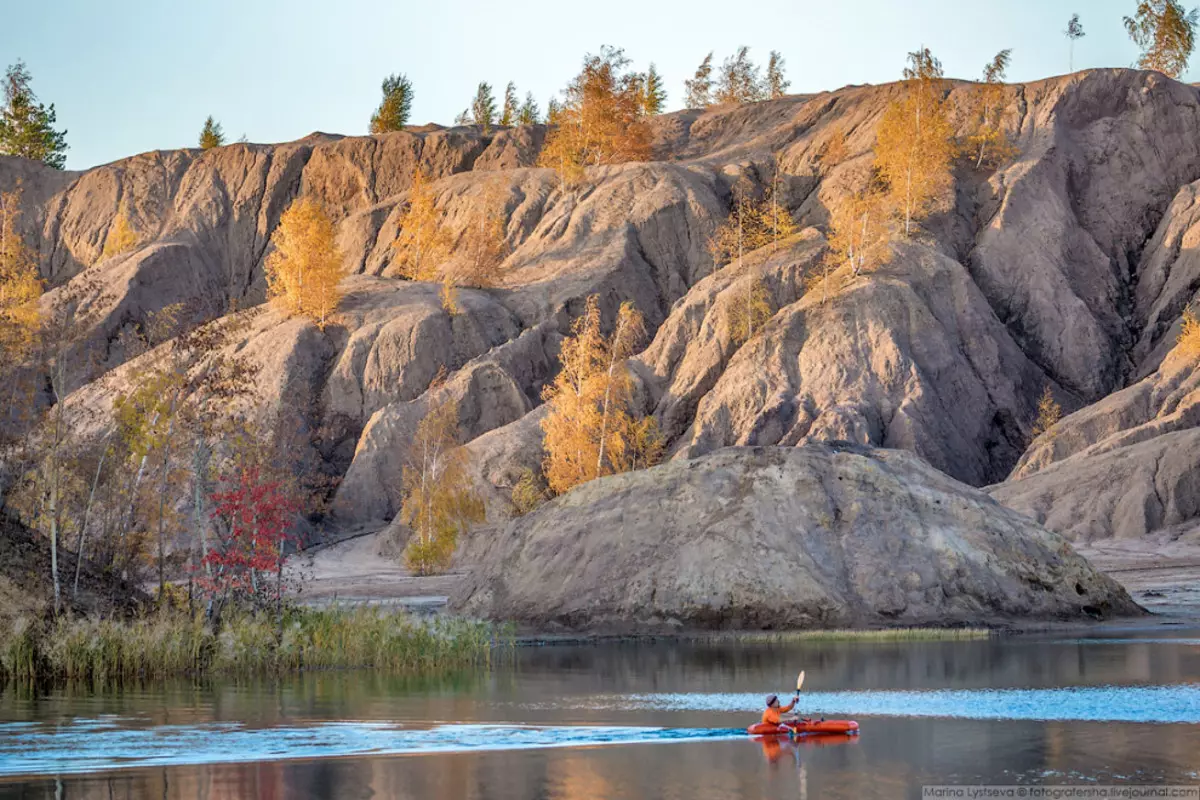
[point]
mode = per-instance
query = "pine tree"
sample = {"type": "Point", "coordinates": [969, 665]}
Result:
{"type": "Point", "coordinates": [601, 121]}
{"type": "Point", "coordinates": [396, 107]}
{"type": "Point", "coordinates": [776, 84]}
{"type": "Point", "coordinates": [483, 107]}
{"type": "Point", "coordinates": [698, 90]}
{"type": "Point", "coordinates": [529, 114]}
{"type": "Point", "coordinates": [27, 126]}
{"type": "Point", "coordinates": [553, 111]}
{"type": "Point", "coordinates": [423, 244]}
{"type": "Point", "coordinates": [1166, 33]}
{"type": "Point", "coordinates": [738, 81]}
{"type": "Point", "coordinates": [654, 93]}
{"type": "Point", "coordinates": [989, 141]}
{"type": "Point", "coordinates": [439, 502]}
{"type": "Point", "coordinates": [508, 115]}
{"type": "Point", "coordinates": [305, 268]}
{"type": "Point", "coordinates": [1074, 33]}
{"type": "Point", "coordinates": [915, 145]}
{"type": "Point", "coordinates": [211, 134]}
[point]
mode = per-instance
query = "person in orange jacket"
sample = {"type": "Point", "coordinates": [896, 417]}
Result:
{"type": "Point", "coordinates": [773, 715]}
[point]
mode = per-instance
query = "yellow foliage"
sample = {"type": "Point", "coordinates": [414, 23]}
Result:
{"type": "Point", "coordinates": [305, 268]}
{"type": "Point", "coordinates": [915, 146]}
{"type": "Point", "coordinates": [859, 234]}
{"type": "Point", "coordinates": [751, 224]}
{"type": "Point", "coordinates": [835, 150]}
{"type": "Point", "coordinates": [439, 502]}
{"type": "Point", "coordinates": [449, 295]}
{"type": "Point", "coordinates": [601, 121]}
{"type": "Point", "coordinates": [121, 237]}
{"type": "Point", "coordinates": [1189, 338]}
{"type": "Point", "coordinates": [590, 431]}
{"type": "Point", "coordinates": [988, 143]}
{"type": "Point", "coordinates": [528, 492]}
{"type": "Point", "coordinates": [423, 243]}
{"type": "Point", "coordinates": [483, 245]}
{"type": "Point", "coordinates": [1049, 413]}
{"type": "Point", "coordinates": [20, 284]}
{"type": "Point", "coordinates": [752, 307]}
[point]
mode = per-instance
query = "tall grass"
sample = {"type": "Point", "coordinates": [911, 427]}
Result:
{"type": "Point", "coordinates": [174, 644]}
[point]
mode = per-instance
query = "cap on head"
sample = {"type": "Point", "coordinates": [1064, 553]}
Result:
{"type": "Point", "coordinates": [772, 700]}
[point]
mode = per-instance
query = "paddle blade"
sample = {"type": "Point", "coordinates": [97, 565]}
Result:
{"type": "Point", "coordinates": [800, 680]}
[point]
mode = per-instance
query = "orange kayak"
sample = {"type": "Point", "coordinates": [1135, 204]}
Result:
{"type": "Point", "coordinates": [805, 727]}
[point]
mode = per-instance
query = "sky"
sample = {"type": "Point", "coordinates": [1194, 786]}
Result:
{"type": "Point", "coordinates": [128, 76]}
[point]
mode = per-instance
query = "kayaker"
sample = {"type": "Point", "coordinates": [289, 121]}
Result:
{"type": "Point", "coordinates": [773, 715]}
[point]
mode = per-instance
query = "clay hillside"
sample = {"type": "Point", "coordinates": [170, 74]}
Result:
{"type": "Point", "coordinates": [1068, 267]}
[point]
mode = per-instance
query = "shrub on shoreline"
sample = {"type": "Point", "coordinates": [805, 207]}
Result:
{"type": "Point", "coordinates": [176, 644]}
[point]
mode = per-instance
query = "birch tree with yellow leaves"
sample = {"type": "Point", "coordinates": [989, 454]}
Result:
{"type": "Point", "coordinates": [423, 243]}
{"type": "Point", "coordinates": [602, 119]}
{"type": "Point", "coordinates": [305, 268]}
{"type": "Point", "coordinates": [590, 430]}
{"type": "Point", "coordinates": [439, 502]}
{"type": "Point", "coordinates": [915, 146]}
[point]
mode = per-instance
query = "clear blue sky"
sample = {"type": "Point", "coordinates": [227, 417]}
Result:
{"type": "Point", "coordinates": [128, 76]}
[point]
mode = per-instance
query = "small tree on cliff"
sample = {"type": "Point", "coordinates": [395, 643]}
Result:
{"type": "Point", "coordinates": [508, 113]}
{"type": "Point", "coordinates": [211, 135]}
{"type": "Point", "coordinates": [915, 146]}
{"type": "Point", "coordinates": [121, 237]}
{"type": "Point", "coordinates": [989, 142]}
{"type": "Point", "coordinates": [529, 113]}
{"type": "Point", "coordinates": [1074, 33]}
{"type": "Point", "coordinates": [698, 90]}
{"type": "Point", "coordinates": [422, 244]}
{"type": "Point", "coordinates": [602, 118]}
{"type": "Point", "coordinates": [654, 93]}
{"type": "Point", "coordinates": [305, 268]}
{"type": "Point", "coordinates": [1189, 337]}
{"type": "Point", "coordinates": [27, 126]}
{"type": "Point", "coordinates": [439, 502]}
{"type": "Point", "coordinates": [20, 289]}
{"type": "Point", "coordinates": [396, 106]}
{"type": "Point", "coordinates": [1049, 412]}
{"type": "Point", "coordinates": [590, 431]}
{"type": "Point", "coordinates": [483, 107]}
{"type": "Point", "coordinates": [738, 81]}
{"type": "Point", "coordinates": [1166, 33]}
{"type": "Point", "coordinates": [777, 85]}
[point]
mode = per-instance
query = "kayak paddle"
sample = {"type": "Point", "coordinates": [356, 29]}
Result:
{"type": "Point", "coordinates": [799, 681]}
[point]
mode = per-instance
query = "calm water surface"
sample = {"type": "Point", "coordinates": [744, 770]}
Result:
{"type": "Point", "coordinates": [638, 720]}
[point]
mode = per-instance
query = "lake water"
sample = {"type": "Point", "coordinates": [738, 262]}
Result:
{"type": "Point", "coordinates": [634, 720]}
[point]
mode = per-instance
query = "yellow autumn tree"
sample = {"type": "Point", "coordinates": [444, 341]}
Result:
{"type": "Point", "coordinates": [439, 502]}
{"type": "Point", "coordinates": [483, 245]}
{"type": "Point", "coordinates": [1049, 412]}
{"type": "Point", "coordinates": [121, 237]}
{"type": "Point", "coordinates": [590, 430]}
{"type": "Point", "coordinates": [988, 142]}
{"type": "Point", "coordinates": [753, 223]}
{"type": "Point", "coordinates": [423, 243]}
{"type": "Point", "coordinates": [602, 119]}
{"type": "Point", "coordinates": [859, 232]}
{"type": "Point", "coordinates": [915, 146]}
{"type": "Point", "coordinates": [305, 268]}
{"type": "Point", "coordinates": [20, 284]}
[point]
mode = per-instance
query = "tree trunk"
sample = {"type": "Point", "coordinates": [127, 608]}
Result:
{"type": "Point", "coordinates": [87, 512]}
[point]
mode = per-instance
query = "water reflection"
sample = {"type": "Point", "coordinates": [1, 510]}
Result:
{"type": "Point", "coordinates": [557, 688]}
